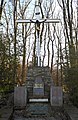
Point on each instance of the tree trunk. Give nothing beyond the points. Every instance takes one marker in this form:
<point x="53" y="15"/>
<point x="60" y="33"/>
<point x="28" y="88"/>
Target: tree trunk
<point x="34" y="50"/>
<point x="2" y="1"/>
<point x="15" y="30"/>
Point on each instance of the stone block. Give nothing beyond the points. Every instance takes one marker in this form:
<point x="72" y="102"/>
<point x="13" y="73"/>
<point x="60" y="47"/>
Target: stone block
<point x="20" y="96"/>
<point x="56" y="96"/>
<point x="38" y="91"/>
<point x="38" y="88"/>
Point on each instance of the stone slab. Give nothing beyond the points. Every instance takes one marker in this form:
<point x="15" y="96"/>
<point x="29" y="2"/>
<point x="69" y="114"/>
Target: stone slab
<point x="38" y="88"/>
<point x="49" y="118"/>
<point x="20" y="96"/>
<point x="38" y="91"/>
<point x="56" y="96"/>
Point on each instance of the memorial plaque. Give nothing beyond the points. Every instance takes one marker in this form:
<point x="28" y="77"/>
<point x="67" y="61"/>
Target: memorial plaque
<point x="56" y="96"/>
<point x="20" y="96"/>
<point x="38" y="88"/>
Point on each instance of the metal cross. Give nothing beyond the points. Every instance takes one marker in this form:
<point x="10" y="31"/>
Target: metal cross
<point x="37" y="21"/>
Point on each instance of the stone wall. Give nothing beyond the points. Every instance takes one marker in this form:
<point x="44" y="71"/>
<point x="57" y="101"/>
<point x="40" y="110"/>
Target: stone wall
<point x="44" y="73"/>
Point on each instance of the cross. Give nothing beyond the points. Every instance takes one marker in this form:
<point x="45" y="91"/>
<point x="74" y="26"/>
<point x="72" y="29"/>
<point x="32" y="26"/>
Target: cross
<point x="37" y="22"/>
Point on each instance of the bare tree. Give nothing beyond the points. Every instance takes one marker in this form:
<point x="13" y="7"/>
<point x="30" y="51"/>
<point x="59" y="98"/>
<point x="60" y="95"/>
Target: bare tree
<point x="25" y="34"/>
<point x="67" y="9"/>
<point x="1" y="7"/>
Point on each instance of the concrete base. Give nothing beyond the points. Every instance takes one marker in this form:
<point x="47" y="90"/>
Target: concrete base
<point x="20" y="96"/>
<point x="56" y="96"/>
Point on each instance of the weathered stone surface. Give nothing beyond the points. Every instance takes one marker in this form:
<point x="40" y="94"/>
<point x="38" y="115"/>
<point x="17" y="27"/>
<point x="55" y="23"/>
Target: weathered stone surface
<point x="49" y="118"/>
<point x="20" y="96"/>
<point x="38" y="88"/>
<point x="56" y="96"/>
<point x="41" y="111"/>
<point x="44" y="73"/>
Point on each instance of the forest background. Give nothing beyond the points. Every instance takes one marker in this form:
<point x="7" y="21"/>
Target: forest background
<point x="58" y="42"/>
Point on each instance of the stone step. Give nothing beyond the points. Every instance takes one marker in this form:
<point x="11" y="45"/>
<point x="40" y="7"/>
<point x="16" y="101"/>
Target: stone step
<point x="41" y="111"/>
<point x="37" y="110"/>
<point x="49" y="118"/>
<point x="39" y="100"/>
<point x="38" y="97"/>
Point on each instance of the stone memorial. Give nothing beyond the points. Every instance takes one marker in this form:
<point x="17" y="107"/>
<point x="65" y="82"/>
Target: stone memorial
<point x="38" y="82"/>
<point x="56" y="96"/>
<point x="20" y="96"/>
<point x="38" y="88"/>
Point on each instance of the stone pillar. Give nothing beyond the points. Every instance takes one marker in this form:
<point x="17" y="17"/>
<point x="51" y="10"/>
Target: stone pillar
<point x="56" y="96"/>
<point x="20" y="96"/>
